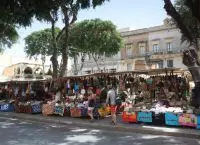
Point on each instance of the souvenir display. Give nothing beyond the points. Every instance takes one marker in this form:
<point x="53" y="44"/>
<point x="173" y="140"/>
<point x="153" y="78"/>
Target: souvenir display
<point x="151" y="98"/>
<point x="172" y="119"/>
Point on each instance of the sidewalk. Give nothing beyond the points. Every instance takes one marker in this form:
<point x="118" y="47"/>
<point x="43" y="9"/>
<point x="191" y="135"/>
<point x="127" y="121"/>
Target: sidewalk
<point x="105" y="125"/>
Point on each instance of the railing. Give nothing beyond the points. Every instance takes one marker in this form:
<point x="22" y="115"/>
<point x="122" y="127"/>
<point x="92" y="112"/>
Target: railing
<point x="165" y="51"/>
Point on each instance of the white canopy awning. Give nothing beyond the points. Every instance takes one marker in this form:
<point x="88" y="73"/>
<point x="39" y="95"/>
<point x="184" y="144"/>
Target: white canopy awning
<point x="4" y="79"/>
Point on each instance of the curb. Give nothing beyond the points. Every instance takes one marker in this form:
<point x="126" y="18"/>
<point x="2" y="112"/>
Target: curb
<point x="120" y="128"/>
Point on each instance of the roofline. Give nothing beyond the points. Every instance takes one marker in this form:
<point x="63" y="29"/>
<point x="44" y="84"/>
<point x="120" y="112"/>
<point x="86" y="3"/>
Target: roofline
<point x="147" y="30"/>
<point x="26" y="63"/>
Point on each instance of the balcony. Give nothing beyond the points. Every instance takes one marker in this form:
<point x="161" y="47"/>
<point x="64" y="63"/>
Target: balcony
<point x="173" y="51"/>
<point x="165" y="51"/>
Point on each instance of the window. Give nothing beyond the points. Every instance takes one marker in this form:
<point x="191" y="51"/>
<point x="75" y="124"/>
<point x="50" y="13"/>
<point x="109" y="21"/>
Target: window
<point x="129" y="67"/>
<point x="155" y="48"/>
<point x="160" y="64"/>
<point x="142" y="48"/>
<point x="169" y="46"/>
<point x="170" y="63"/>
<point x="128" y="49"/>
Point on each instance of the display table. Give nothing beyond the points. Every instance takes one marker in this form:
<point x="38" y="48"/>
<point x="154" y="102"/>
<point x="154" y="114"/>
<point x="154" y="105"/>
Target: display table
<point x="59" y="110"/>
<point x="47" y="109"/>
<point x="25" y="109"/>
<point x="188" y="120"/>
<point x="75" y="112"/>
<point x="198" y="122"/>
<point x="172" y="119"/>
<point x="6" y="107"/>
<point x="67" y="111"/>
<point x="104" y="111"/>
<point x="36" y="108"/>
<point x="129" y="117"/>
<point x="145" y="117"/>
<point x="84" y="112"/>
<point x="158" y="119"/>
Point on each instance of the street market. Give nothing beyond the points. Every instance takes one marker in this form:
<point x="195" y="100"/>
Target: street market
<point x="158" y="97"/>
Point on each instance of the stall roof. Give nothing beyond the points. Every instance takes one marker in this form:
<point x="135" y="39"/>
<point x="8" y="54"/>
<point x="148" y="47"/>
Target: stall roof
<point x="109" y="73"/>
<point x="147" y="72"/>
<point x="4" y="79"/>
<point x="165" y="70"/>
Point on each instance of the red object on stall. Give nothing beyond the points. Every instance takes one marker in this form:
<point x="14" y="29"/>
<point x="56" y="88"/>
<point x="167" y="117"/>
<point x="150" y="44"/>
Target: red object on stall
<point x="25" y="109"/>
<point x="129" y="117"/>
<point x="75" y="112"/>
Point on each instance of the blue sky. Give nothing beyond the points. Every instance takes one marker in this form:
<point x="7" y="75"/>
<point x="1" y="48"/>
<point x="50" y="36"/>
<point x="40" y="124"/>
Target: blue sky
<point x="135" y="14"/>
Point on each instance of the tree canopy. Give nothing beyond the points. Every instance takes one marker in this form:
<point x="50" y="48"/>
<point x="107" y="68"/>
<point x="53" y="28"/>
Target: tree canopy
<point x="8" y="36"/>
<point x="21" y="13"/>
<point x="96" y="38"/>
<point x="39" y="43"/>
<point x="186" y="14"/>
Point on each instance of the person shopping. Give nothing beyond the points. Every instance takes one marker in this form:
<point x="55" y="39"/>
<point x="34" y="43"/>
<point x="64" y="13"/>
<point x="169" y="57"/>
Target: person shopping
<point x="111" y="100"/>
<point x="91" y="103"/>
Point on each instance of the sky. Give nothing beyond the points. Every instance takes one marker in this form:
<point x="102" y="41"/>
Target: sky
<point x="134" y="14"/>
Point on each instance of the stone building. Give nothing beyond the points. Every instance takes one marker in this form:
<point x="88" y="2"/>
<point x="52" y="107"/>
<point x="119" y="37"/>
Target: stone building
<point x="21" y="70"/>
<point x="154" y="47"/>
<point x="148" y="48"/>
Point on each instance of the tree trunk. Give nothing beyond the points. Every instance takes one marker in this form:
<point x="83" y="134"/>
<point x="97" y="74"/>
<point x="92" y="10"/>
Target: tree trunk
<point x="175" y="15"/>
<point x="75" y="65"/>
<point x="96" y="61"/>
<point x="55" y="52"/>
<point x="190" y="59"/>
<point x="43" y="63"/>
<point x="64" y="62"/>
<point x="65" y="48"/>
<point x="82" y="61"/>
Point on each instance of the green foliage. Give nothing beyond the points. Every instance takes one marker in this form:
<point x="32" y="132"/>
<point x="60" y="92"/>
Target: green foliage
<point x="185" y="14"/>
<point x="8" y="36"/>
<point x="191" y="22"/>
<point x="96" y="37"/>
<point x="40" y="43"/>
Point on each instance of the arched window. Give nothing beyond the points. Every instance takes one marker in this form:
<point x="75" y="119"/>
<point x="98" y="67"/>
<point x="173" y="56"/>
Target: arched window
<point x="38" y="71"/>
<point x="18" y="70"/>
<point x="28" y="70"/>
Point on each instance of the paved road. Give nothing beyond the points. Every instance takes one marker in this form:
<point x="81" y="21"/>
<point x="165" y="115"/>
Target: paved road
<point x="16" y="132"/>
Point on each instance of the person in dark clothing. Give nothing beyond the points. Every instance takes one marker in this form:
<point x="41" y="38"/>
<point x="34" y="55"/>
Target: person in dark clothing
<point x="91" y="103"/>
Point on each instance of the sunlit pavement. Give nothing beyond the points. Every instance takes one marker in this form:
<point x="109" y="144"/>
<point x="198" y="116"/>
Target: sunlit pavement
<point x="16" y="132"/>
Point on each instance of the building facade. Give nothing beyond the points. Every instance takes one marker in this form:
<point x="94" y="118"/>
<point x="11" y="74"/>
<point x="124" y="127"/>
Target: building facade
<point x="148" y="48"/>
<point x="103" y="64"/>
<point x="24" y="70"/>
<point x="154" y="47"/>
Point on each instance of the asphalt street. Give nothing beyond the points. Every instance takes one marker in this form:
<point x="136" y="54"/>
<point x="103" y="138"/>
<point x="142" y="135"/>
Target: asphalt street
<point x="17" y="132"/>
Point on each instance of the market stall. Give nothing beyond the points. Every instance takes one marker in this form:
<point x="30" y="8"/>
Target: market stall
<point x="162" y="99"/>
<point x="30" y="94"/>
<point x="6" y="100"/>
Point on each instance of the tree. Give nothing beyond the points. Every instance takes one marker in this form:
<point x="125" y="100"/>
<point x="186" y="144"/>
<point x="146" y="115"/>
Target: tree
<point x="8" y="36"/>
<point x="70" y="10"/>
<point x="40" y="44"/>
<point x="186" y="14"/>
<point x="96" y="38"/>
<point x="21" y="12"/>
<point x="185" y="18"/>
